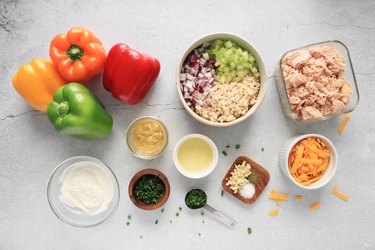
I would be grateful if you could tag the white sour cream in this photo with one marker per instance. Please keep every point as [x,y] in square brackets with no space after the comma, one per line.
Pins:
[86,186]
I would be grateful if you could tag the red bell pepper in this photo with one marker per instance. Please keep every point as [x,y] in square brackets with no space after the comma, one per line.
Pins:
[129,74]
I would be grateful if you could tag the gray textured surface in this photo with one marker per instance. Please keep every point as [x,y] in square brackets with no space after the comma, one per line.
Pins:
[30,148]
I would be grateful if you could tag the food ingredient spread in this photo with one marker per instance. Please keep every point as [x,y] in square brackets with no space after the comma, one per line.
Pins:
[315,82]
[86,186]
[148,137]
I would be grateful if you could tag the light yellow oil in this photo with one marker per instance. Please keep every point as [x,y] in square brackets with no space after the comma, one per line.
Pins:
[194,155]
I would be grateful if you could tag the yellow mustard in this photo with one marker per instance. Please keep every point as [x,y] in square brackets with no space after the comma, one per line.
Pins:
[148,137]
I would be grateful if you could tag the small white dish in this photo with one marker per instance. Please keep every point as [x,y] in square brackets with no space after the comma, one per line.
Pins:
[329,173]
[196,174]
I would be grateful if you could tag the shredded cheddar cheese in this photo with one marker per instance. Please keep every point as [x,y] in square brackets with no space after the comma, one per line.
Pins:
[314,206]
[308,160]
[341,128]
[340,195]
[273,212]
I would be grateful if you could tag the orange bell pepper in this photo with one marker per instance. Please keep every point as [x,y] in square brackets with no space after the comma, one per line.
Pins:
[78,55]
[36,82]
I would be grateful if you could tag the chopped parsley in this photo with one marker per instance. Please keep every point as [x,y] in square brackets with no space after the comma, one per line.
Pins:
[227,146]
[224,153]
[249,231]
[162,210]
[149,189]
[129,217]
[156,222]
[238,146]
[262,149]
[222,192]
[128,223]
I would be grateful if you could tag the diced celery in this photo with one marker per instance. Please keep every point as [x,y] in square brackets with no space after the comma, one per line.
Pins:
[228,44]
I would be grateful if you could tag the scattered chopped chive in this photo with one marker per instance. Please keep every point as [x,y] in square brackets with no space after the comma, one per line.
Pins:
[177,214]
[170,221]
[227,146]
[199,234]
[249,231]
[129,217]
[262,149]
[238,146]
[202,221]
[202,213]
[156,222]
[162,210]
[180,208]
[128,223]
[222,192]
[224,153]
[140,237]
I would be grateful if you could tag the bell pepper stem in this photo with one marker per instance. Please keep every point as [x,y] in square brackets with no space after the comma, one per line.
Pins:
[74,52]
[63,109]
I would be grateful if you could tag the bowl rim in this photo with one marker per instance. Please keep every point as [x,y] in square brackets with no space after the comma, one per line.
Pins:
[262,70]
[95,161]
[200,174]
[280,68]
[137,176]
[325,178]
[127,137]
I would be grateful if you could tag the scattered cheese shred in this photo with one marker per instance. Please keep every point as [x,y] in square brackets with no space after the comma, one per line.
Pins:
[298,197]
[308,160]
[340,195]
[314,206]
[277,201]
[277,196]
[343,123]
[273,212]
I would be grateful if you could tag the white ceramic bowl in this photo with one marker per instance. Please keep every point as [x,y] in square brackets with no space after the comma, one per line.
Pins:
[244,44]
[332,165]
[206,171]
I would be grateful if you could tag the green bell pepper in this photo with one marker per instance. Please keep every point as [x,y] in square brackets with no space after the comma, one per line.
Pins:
[76,111]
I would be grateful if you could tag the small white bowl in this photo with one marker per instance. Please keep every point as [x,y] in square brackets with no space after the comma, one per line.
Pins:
[206,171]
[329,173]
[244,44]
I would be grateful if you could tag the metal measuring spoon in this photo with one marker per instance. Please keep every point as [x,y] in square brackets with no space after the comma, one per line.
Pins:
[197,198]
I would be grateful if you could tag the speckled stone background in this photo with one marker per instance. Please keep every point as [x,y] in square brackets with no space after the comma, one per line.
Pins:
[30,148]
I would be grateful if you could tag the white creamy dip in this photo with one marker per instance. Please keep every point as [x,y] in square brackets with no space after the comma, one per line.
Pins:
[87,186]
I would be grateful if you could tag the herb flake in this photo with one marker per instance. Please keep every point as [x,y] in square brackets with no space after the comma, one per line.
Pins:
[238,146]
[249,231]
[224,153]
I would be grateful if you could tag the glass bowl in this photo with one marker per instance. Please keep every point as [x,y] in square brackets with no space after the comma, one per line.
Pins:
[349,76]
[74,216]
[132,147]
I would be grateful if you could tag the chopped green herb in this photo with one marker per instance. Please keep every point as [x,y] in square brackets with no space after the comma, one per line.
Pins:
[202,221]
[196,198]
[149,189]
[170,221]
[202,213]
[222,192]
[199,234]
[129,217]
[162,210]
[177,214]
[180,208]
[249,231]
[128,223]
[156,222]
[238,146]
[262,149]
[140,237]
[253,178]
[224,153]
[227,146]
